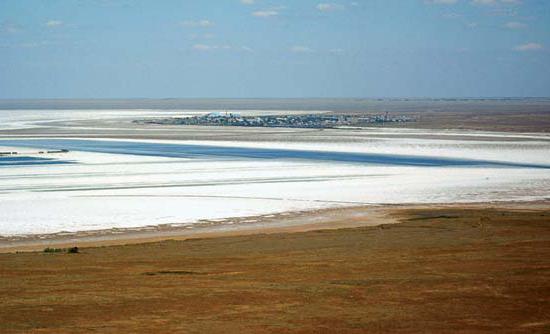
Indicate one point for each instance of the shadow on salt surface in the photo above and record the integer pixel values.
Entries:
(221, 152)
(30, 161)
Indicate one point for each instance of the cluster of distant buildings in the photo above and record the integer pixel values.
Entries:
(316, 121)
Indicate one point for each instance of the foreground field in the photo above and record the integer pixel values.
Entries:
(441, 270)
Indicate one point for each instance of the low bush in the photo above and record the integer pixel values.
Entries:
(53, 250)
(72, 250)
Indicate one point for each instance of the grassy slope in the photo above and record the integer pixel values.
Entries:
(440, 271)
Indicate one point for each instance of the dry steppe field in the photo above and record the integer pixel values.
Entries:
(443, 270)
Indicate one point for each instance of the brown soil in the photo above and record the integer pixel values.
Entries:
(484, 121)
(441, 270)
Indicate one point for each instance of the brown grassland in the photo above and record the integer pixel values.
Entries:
(440, 270)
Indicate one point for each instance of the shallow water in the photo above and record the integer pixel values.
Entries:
(210, 151)
(11, 161)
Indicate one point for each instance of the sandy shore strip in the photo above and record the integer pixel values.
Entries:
(285, 222)
(299, 221)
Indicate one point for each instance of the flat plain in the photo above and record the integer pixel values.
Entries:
(431, 249)
(441, 270)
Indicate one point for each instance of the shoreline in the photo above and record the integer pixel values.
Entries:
(284, 222)
(289, 221)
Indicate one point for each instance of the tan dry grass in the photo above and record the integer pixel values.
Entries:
(440, 271)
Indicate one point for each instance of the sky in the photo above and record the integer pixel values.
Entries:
(274, 48)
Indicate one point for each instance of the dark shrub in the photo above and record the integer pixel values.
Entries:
(72, 250)
(53, 250)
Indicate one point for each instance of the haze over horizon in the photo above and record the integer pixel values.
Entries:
(274, 49)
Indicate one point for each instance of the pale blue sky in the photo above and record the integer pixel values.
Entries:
(274, 48)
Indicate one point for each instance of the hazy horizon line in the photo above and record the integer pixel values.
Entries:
(280, 98)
